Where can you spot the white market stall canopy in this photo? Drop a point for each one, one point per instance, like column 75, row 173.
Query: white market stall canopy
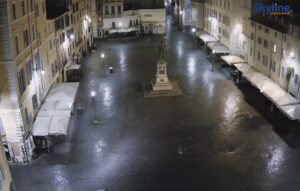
column 207, row 38
column 54, row 115
column 280, row 97
column 232, row 59
column 220, row 49
column 123, row 30
column 212, row 44
column 51, row 123
column 60, row 97
column 244, row 68
column 255, row 78
column 291, row 111
column 264, row 85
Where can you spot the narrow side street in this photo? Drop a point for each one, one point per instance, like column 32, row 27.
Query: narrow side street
column 211, row 138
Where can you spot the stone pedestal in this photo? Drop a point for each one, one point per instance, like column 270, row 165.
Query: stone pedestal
column 161, row 82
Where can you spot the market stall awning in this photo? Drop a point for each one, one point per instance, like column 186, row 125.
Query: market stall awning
column 291, row 111
column 255, row 78
column 220, row 49
column 283, row 100
column 244, row 68
column 54, row 115
column 280, row 97
column 212, row 44
column 264, row 85
column 207, row 38
column 51, row 123
column 60, row 97
column 232, row 59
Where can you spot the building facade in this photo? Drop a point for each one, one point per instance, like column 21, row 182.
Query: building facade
column 6, row 183
column 270, row 44
column 197, row 16
column 140, row 17
column 35, row 54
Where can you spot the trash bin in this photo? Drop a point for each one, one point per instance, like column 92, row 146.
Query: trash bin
column 111, row 70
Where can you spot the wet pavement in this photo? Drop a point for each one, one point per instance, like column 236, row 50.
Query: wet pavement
column 212, row 138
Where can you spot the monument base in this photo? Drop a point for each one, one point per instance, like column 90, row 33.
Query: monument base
column 150, row 93
column 167, row 86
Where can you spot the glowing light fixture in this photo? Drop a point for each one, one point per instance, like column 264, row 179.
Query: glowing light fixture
column 238, row 28
column 93, row 93
column 292, row 54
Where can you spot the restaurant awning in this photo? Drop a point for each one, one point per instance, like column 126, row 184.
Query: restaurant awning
column 232, row 59
column 207, row 38
column 54, row 115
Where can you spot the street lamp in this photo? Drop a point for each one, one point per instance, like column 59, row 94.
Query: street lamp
column 193, row 30
column 93, row 95
column 103, row 64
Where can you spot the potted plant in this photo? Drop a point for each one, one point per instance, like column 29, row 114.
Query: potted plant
column 289, row 74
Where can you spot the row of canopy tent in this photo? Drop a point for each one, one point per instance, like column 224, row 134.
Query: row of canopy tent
column 213, row 43
column 54, row 116
column 123, row 30
column 218, row 48
column 285, row 102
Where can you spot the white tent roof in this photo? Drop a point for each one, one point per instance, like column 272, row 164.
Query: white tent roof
column 212, row 44
column 280, row 97
column 61, row 97
column 232, row 59
column 244, row 68
column 283, row 100
column 291, row 111
column 220, row 49
column 54, row 115
column 53, row 122
column 265, row 85
column 255, row 78
column 41, row 126
column 207, row 38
